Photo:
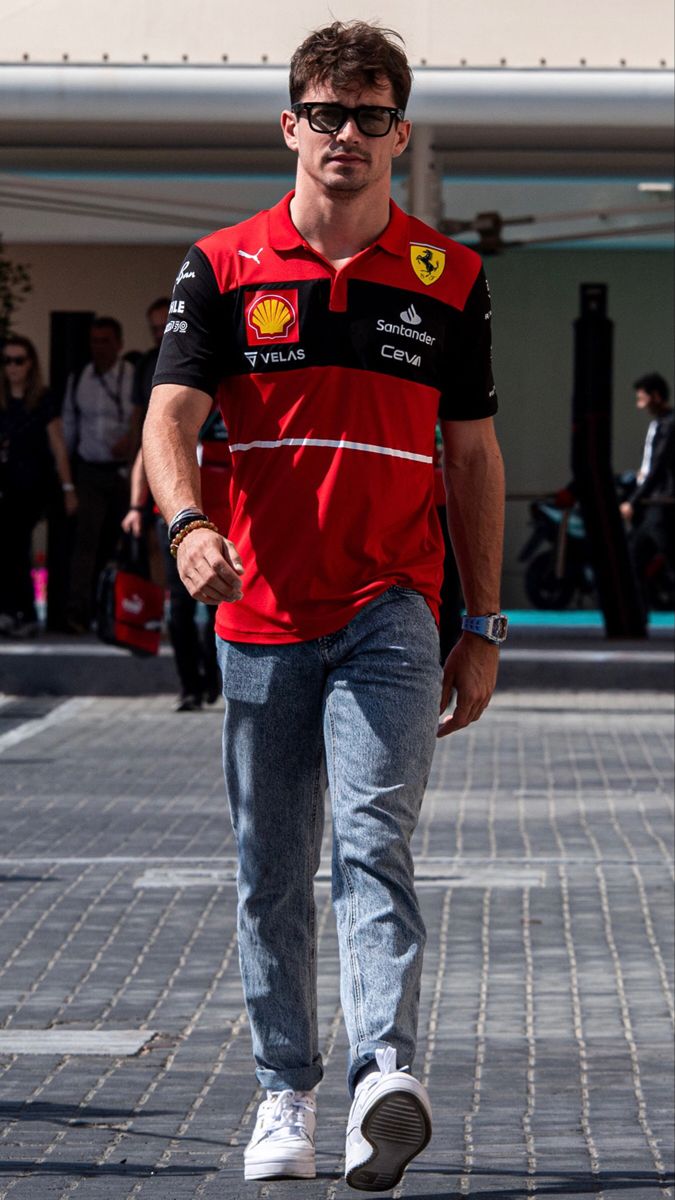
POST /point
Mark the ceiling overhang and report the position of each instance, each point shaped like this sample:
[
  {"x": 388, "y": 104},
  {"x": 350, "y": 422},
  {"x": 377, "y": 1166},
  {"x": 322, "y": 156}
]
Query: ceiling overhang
[
  {"x": 79, "y": 141},
  {"x": 107, "y": 106}
]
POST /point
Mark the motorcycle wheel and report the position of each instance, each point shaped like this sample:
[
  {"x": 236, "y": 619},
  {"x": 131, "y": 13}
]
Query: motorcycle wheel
[{"x": 542, "y": 586}]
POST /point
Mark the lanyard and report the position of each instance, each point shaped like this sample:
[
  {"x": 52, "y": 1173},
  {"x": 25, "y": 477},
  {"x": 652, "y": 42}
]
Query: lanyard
[{"x": 116, "y": 395}]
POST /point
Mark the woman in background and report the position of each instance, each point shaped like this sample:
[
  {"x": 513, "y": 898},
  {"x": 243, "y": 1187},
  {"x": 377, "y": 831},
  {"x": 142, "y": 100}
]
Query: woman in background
[{"x": 31, "y": 447}]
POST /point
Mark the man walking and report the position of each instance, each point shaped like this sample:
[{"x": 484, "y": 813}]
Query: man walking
[
  {"x": 650, "y": 511},
  {"x": 338, "y": 330}
]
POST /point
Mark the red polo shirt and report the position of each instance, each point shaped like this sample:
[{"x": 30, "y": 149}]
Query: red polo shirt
[{"x": 330, "y": 383}]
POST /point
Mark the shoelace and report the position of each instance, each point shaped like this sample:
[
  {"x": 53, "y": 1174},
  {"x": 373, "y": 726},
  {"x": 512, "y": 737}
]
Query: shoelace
[
  {"x": 285, "y": 1110},
  {"x": 385, "y": 1061},
  {"x": 386, "y": 1064}
]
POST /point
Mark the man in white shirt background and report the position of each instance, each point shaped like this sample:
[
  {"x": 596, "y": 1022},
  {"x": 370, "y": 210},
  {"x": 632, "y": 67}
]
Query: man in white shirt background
[
  {"x": 650, "y": 510},
  {"x": 97, "y": 421}
]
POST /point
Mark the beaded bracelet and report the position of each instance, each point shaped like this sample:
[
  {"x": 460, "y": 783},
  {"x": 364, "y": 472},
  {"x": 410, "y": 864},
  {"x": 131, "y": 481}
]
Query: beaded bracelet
[
  {"x": 182, "y": 534},
  {"x": 183, "y": 518}
]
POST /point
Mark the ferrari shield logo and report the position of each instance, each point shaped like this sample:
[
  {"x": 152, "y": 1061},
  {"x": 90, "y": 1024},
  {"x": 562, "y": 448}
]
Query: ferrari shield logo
[{"x": 428, "y": 262}]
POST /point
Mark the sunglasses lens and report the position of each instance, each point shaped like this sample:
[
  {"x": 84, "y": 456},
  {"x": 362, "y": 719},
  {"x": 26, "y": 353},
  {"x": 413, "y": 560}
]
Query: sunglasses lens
[
  {"x": 325, "y": 118},
  {"x": 374, "y": 122}
]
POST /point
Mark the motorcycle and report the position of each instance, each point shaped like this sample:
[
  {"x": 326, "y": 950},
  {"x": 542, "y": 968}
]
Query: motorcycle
[{"x": 563, "y": 572}]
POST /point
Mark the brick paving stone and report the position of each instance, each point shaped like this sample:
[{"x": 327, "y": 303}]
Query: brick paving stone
[{"x": 547, "y": 1005}]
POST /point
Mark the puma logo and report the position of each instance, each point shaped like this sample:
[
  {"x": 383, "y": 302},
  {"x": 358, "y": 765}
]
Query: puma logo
[{"x": 254, "y": 257}]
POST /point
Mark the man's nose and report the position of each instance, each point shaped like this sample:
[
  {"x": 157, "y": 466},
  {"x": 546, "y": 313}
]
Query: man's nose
[{"x": 349, "y": 131}]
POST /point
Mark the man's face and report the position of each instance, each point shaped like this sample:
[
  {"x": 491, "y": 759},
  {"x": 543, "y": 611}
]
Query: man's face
[
  {"x": 346, "y": 162},
  {"x": 157, "y": 319},
  {"x": 105, "y": 348},
  {"x": 649, "y": 402}
]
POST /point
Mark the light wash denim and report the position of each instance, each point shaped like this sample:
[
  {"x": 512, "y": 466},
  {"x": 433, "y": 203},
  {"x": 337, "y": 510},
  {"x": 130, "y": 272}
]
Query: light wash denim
[{"x": 359, "y": 708}]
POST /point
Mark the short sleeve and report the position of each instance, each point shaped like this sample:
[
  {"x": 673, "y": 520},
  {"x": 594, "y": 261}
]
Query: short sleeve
[
  {"x": 191, "y": 352},
  {"x": 470, "y": 393}
]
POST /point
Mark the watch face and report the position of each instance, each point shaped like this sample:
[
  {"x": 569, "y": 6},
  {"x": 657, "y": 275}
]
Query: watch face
[
  {"x": 499, "y": 627},
  {"x": 492, "y": 628}
]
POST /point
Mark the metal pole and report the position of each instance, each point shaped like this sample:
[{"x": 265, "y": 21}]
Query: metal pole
[
  {"x": 592, "y": 467},
  {"x": 424, "y": 183}
]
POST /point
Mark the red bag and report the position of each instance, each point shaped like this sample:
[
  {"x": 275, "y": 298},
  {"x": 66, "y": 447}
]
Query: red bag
[{"x": 130, "y": 608}]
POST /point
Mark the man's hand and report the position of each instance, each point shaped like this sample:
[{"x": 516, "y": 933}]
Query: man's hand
[
  {"x": 471, "y": 670},
  {"x": 210, "y": 567},
  {"x": 133, "y": 523},
  {"x": 626, "y": 510},
  {"x": 70, "y": 503}
]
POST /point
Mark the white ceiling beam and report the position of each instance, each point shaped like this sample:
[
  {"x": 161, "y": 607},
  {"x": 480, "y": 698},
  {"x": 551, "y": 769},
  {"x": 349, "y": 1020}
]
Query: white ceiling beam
[{"x": 622, "y": 102}]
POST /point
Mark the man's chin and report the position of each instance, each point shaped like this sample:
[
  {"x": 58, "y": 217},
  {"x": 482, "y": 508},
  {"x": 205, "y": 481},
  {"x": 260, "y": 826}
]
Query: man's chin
[{"x": 344, "y": 183}]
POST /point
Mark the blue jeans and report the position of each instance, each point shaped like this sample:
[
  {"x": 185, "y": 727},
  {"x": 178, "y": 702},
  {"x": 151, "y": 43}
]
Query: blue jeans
[{"x": 359, "y": 709}]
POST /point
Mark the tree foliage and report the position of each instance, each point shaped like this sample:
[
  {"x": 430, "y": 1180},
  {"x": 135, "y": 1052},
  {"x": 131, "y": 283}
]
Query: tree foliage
[{"x": 15, "y": 286}]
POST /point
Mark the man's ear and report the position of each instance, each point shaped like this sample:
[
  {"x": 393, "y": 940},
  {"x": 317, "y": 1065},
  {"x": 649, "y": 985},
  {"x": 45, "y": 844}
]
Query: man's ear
[
  {"x": 289, "y": 127},
  {"x": 403, "y": 129}
]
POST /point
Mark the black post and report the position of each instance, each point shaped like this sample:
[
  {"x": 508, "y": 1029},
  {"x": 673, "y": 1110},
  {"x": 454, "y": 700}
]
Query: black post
[
  {"x": 592, "y": 467},
  {"x": 68, "y": 347}
]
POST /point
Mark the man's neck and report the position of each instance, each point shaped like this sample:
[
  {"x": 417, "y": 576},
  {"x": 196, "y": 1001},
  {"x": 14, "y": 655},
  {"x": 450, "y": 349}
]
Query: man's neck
[
  {"x": 339, "y": 225},
  {"x": 103, "y": 370}
]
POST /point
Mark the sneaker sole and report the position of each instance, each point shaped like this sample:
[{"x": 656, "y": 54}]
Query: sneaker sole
[
  {"x": 398, "y": 1128},
  {"x": 278, "y": 1169}
]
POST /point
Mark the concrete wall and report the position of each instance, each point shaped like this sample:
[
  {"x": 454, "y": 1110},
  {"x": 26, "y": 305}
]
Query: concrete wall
[
  {"x": 118, "y": 281},
  {"x": 535, "y": 299},
  {"x": 522, "y": 33}
]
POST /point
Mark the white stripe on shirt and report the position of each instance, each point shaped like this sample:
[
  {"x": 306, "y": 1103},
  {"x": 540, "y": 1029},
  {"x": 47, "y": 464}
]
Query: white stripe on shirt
[
  {"x": 337, "y": 444},
  {"x": 646, "y": 464}
]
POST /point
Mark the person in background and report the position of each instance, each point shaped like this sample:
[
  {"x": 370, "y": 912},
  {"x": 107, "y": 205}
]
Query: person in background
[
  {"x": 32, "y": 449},
  {"x": 192, "y": 639},
  {"x": 97, "y": 423},
  {"x": 650, "y": 510},
  {"x": 157, "y": 315}
]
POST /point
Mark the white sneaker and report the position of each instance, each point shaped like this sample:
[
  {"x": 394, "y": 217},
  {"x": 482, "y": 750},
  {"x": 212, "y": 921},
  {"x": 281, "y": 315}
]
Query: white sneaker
[
  {"x": 389, "y": 1123},
  {"x": 282, "y": 1145}
]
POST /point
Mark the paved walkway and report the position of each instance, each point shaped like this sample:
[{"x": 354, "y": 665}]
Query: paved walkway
[{"x": 545, "y": 872}]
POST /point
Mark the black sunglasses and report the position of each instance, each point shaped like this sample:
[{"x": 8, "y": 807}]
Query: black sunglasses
[
  {"x": 374, "y": 120},
  {"x": 15, "y": 360}
]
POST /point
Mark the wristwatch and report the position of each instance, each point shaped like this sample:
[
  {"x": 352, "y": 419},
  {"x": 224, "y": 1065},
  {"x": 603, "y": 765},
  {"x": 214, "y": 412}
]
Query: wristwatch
[{"x": 492, "y": 627}]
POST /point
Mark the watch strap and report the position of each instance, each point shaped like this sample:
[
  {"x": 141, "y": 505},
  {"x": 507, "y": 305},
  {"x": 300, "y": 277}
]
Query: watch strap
[{"x": 492, "y": 627}]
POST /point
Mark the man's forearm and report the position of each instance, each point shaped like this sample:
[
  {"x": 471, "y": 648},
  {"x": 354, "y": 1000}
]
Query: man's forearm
[
  {"x": 170, "y": 449},
  {"x": 139, "y": 483},
  {"x": 475, "y": 504}
]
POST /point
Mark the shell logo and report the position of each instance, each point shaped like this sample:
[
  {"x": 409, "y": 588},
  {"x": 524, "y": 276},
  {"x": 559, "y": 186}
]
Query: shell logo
[{"x": 272, "y": 317}]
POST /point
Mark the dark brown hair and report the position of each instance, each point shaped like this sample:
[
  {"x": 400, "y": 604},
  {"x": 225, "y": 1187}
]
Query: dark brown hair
[
  {"x": 34, "y": 385},
  {"x": 162, "y": 302},
  {"x": 348, "y": 55},
  {"x": 109, "y": 323},
  {"x": 653, "y": 384}
]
